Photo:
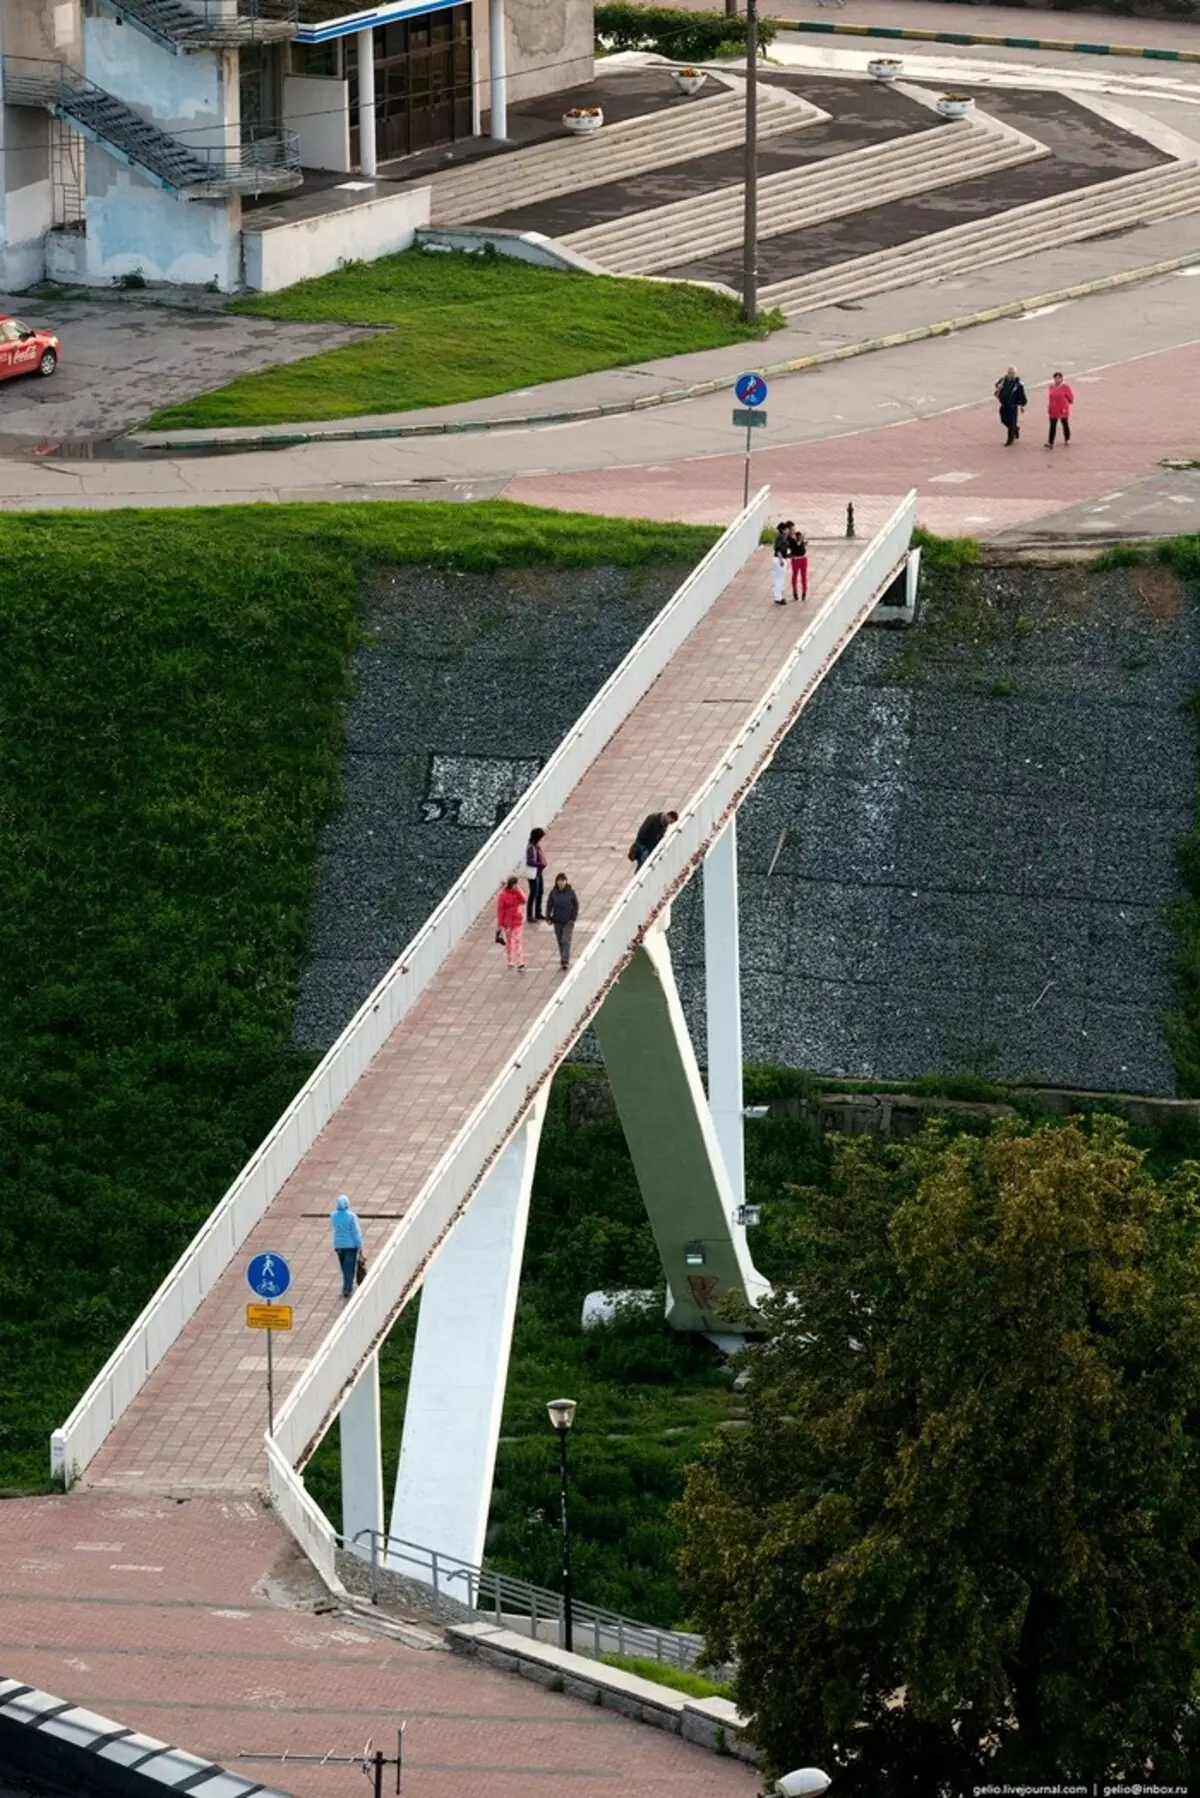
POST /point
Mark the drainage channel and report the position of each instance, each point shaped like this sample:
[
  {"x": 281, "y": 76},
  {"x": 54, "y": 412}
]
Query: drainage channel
[{"x": 124, "y": 449}]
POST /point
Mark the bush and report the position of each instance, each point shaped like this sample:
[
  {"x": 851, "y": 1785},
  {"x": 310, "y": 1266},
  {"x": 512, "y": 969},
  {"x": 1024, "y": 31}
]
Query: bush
[{"x": 683, "y": 36}]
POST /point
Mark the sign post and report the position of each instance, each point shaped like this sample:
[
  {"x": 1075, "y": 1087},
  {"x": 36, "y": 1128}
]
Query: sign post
[
  {"x": 751, "y": 392},
  {"x": 269, "y": 1277}
]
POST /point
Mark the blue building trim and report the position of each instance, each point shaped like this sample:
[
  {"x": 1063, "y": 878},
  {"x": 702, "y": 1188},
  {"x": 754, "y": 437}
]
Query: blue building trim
[{"x": 383, "y": 14}]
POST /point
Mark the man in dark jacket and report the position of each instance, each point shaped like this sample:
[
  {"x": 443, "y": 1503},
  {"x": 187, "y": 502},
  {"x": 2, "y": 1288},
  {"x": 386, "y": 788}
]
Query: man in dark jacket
[
  {"x": 651, "y": 832},
  {"x": 1010, "y": 394},
  {"x": 562, "y": 909}
]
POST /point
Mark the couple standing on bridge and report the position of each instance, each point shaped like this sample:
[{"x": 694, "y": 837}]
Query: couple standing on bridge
[{"x": 790, "y": 550}]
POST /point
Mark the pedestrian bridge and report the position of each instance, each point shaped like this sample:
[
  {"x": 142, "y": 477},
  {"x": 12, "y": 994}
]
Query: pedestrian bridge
[{"x": 428, "y": 1107}]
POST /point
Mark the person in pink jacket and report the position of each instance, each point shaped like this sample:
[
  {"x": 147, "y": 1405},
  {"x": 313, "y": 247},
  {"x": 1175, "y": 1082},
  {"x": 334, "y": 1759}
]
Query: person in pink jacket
[
  {"x": 1059, "y": 401},
  {"x": 510, "y": 921}
]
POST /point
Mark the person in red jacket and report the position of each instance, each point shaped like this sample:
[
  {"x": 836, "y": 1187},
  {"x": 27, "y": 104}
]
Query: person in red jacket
[
  {"x": 1060, "y": 399},
  {"x": 510, "y": 921}
]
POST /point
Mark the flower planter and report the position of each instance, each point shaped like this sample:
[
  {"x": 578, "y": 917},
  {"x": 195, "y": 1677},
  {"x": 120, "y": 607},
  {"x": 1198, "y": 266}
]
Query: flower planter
[
  {"x": 955, "y": 106},
  {"x": 688, "y": 81},
  {"x": 584, "y": 122},
  {"x": 885, "y": 68}
]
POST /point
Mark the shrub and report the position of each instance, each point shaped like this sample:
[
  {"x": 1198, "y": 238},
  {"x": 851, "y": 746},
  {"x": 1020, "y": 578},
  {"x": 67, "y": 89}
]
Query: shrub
[{"x": 679, "y": 35}]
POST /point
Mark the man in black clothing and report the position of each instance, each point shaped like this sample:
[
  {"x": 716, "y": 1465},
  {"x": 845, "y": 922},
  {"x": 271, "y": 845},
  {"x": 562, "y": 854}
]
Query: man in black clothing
[
  {"x": 651, "y": 832},
  {"x": 1010, "y": 394}
]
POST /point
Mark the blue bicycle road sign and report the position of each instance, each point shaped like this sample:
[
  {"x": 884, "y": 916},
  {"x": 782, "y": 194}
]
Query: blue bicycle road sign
[
  {"x": 269, "y": 1276},
  {"x": 750, "y": 389}
]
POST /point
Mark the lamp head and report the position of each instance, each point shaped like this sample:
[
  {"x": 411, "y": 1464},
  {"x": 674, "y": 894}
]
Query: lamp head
[
  {"x": 562, "y": 1413},
  {"x": 803, "y": 1782}
]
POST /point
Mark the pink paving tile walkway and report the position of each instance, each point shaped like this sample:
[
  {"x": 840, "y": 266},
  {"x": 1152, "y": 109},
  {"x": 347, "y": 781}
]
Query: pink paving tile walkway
[
  {"x": 197, "y": 1424},
  {"x": 160, "y": 1615},
  {"x": 1127, "y": 418}
]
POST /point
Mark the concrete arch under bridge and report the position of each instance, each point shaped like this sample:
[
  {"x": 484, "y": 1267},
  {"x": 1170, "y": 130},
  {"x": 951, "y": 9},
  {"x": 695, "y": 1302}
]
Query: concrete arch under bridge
[{"x": 431, "y": 1100}]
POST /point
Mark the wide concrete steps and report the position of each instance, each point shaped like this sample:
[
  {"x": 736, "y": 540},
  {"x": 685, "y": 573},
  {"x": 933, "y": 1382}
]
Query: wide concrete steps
[
  {"x": 1169, "y": 191},
  {"x": 689, "y": 230},
  {"x": 615, "y": 153}
]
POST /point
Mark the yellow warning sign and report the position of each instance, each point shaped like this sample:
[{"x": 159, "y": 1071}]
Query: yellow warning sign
[{"x": 268, "y": 1317}]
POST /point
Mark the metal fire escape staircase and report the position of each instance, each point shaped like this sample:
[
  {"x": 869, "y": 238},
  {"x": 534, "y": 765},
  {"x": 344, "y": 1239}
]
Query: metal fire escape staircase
[
  {"x": 205, "y": 164},
  {"x": 184, "y": 25}
]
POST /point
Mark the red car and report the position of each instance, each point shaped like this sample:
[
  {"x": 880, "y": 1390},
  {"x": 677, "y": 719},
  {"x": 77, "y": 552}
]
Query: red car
[{"x": 25, "y": 351}]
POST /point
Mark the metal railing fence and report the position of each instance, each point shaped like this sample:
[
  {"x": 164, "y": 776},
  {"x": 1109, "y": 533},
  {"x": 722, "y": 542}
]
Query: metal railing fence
[{"x": 510, "y": 1602}]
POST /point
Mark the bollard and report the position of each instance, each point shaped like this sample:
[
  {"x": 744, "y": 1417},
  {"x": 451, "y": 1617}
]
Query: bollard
[{"x": 850, "y": 519}]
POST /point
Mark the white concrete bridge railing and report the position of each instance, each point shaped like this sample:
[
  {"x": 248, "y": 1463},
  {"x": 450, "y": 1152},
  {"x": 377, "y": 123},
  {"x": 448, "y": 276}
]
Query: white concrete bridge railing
[{"x": 199, "y": 1268}]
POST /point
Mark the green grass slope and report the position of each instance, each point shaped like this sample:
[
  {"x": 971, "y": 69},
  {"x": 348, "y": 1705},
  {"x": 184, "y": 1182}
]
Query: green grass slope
[
  {"x": 170, "y": 685},
  {"x": 460, "y": 327}
]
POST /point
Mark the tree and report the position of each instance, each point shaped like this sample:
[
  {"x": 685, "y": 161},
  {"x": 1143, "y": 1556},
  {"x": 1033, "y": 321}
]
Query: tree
[{"x": 961, "y": 1529}]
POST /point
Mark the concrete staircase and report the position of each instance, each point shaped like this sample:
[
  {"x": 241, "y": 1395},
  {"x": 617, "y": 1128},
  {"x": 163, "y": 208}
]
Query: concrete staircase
[
  {"x": 1169, "y": 191},
  {"x": 479, "y": 190},
  {"x": 689, "y": 230},
  {"x": 242, "y": 160}
]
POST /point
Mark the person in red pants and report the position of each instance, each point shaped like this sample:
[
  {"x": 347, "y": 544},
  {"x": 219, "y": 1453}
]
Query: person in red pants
[
  {"x": 1059, "y": 401},
  {"x": 798, "y": 555}
]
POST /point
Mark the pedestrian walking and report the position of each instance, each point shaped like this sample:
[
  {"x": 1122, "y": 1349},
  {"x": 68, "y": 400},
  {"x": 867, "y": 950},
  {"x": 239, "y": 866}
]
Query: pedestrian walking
[
  {"x": 781, "y": 555},
  {"x": 651, "y": 832},
  {"x": 1012, "y": 400},
  {"x": 1059, "y": 400},
  {"x": 798, "y": 554},
  {"x": 535, "y": 874},
  {"x": 347, "y": 1242},
  {"x": 562, "y": 909},
  {"x": 510, "y": 922}
]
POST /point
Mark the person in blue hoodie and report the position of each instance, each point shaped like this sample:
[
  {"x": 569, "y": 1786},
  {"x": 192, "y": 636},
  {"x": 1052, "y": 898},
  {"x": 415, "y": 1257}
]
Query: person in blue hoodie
[{"x": 347, "y": 1241}]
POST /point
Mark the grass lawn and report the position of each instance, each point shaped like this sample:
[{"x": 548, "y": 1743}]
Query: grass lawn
[
  {"x": 678, "y": 1678},
  {"x": 170, "y": 684},
  {"x": 459, "y": 328}
]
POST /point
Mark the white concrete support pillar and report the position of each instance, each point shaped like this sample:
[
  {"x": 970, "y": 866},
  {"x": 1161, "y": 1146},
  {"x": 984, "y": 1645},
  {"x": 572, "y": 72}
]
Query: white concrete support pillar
[
  {"x": 498, "y": 64},
  {"x": 366, "y": 101},
  {"x": 460, "y": 1362},
  {"x": 723, "y": 1004},
  {"x": 362, "y": 1462},
  {"x": 673, "y": 1142}
]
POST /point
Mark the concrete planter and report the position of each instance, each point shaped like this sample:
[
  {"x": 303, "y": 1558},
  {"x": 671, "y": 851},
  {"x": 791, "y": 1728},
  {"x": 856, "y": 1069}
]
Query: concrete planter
[
  {"x": 955, "y": 106},
  {"x": 688, "y": 81},
  {"x": 885, "y": 68},
  {"x": 584, "y": 122}
]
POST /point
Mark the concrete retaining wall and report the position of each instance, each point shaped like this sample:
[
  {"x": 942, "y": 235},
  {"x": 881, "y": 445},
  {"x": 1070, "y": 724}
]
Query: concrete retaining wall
[
  {"x": 285, "y": 253},
  {"x": 712, "y": 1723}
]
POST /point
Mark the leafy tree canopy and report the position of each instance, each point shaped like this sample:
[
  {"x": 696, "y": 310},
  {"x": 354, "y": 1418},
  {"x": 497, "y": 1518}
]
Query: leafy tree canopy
[{"x": 961, "y": 1530}]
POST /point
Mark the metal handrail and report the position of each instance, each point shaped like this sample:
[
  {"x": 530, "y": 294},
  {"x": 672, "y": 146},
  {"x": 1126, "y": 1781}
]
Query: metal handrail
[
  {"x": 241, "y": 157},
  {"x": 483, "y": 1591},
  {"x": 234, "y": 150},
  {"x": 214, "y": 22}
]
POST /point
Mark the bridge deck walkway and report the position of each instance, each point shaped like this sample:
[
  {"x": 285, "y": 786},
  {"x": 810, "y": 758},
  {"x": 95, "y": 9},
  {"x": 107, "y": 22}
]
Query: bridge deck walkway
[{"x": 197, "y": 1424}]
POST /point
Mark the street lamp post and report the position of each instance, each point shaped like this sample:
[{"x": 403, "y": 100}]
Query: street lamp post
[
  {"x": 750, "y": 216},
  {"x": 562, "y": 1416}
]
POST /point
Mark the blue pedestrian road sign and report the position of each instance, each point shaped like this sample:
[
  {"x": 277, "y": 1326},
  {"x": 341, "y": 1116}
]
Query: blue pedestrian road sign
[
  {"x": 269, "y": 1276},
  {"x": 750, "y": 389}
]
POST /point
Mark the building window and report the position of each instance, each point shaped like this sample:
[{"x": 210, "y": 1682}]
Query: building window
[{"x": 319, "y": 60}]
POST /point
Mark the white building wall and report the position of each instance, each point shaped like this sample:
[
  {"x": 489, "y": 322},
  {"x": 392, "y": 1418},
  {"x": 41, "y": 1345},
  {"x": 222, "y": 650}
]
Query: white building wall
[
  {"x": 43, "y": 28},
  {"x": 132, "y": 223},
  {"x": 549, "y": 45},
  {"x": 317, "y": 109}
]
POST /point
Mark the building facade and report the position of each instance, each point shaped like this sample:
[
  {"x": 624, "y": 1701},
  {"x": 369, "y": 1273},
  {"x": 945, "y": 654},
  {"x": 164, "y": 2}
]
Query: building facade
[{"x": 137, "y": 136}]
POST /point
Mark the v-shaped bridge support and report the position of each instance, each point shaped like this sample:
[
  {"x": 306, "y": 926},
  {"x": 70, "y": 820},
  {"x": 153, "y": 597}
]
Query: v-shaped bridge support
[{"x": 687, "y": 1152}]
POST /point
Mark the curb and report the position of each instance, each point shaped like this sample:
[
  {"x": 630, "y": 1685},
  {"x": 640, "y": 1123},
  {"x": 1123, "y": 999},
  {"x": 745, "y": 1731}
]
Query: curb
[
  {"x": 1144, "y": 51},
  {"x": 673, "y": 396}
]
